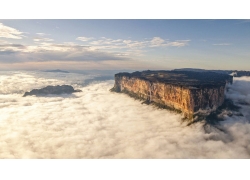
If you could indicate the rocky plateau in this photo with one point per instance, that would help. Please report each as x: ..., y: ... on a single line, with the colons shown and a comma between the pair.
x: 187, y: 92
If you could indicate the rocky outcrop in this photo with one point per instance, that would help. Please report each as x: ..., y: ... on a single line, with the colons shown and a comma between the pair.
x: 64, y: 89
x: 186, y: 92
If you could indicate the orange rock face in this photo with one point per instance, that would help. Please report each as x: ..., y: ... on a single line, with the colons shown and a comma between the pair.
x: 187, y: 99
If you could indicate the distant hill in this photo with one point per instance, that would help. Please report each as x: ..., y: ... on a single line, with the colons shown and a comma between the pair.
x: 234, y: 73
x: 57, y: 70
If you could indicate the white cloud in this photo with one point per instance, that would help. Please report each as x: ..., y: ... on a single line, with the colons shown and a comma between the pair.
x: 9, y: 32
x: 157, y: 41
x: 104, y: 124
x: 38, y: 39
x: 84, y: 38
x: 239, y: 91
x: 42, y: 34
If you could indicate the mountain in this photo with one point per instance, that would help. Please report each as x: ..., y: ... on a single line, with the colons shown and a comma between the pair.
x: 57, y: 70
x: 234, y: 73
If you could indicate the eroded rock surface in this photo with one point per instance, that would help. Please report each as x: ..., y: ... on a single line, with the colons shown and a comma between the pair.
x: 184, y: 91
x: 64, y: 89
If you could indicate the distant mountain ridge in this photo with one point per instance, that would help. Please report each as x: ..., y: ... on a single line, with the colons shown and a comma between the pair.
x: 57, y: 70
x: 234, y: 73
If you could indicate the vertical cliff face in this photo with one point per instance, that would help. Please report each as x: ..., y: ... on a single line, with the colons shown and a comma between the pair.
x: 207, y: 98
x: 188, y: 96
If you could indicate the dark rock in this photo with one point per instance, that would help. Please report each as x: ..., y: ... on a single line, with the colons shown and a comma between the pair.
x: 64, y: 89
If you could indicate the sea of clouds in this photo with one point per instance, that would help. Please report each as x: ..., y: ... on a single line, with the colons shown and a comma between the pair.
x: 97, y: 123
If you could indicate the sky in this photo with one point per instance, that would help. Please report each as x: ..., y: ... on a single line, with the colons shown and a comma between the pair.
x: 124, y: 44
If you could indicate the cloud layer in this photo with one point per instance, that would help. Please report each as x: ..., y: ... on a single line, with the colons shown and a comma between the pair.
x: 39, y: 47
x: 9, y: 32
x: 96, y: 123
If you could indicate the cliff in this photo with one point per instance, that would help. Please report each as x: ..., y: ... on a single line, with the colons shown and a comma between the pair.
x: 183, y: 91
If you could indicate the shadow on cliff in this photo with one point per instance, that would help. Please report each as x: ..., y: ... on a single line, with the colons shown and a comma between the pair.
x: 212, y: 121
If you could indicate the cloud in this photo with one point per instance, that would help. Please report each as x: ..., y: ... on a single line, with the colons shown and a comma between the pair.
x: 178, y: 43
x: 9, y: 49
x: 104, y: 124
x: 102, y: 49
x: 84, y: 38
x: 41, y: 37
x: 9, y: 32
x: 7, y: 52
x: 157, y: 41
x: 42, y: 34
x: 108, y: 43
x: 239, y: 91
x: 222, y: 44
x: 38, y: 39
x: 47, y: 51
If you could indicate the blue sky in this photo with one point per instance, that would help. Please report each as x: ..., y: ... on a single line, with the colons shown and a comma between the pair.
x: 124, y: 44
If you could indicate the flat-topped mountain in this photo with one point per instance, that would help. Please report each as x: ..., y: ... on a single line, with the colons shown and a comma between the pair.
x: 185, y: 91
x: 64, y: 89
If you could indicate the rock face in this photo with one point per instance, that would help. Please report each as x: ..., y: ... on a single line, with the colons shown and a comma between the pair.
x: 64, y: 89
x: 186, y: 92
